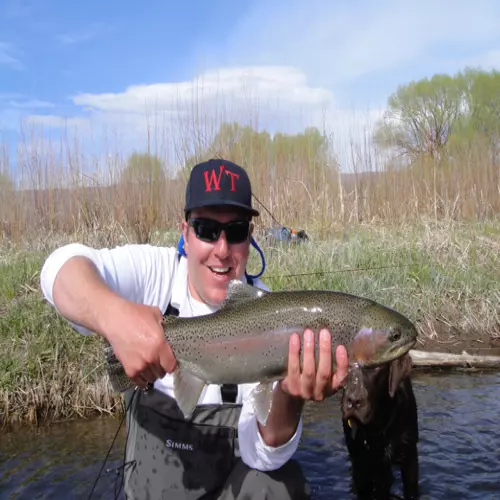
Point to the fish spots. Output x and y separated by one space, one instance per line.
238 342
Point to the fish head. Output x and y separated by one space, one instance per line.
383 335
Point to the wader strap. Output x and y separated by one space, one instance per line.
228 391
171 310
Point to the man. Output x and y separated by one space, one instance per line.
222 451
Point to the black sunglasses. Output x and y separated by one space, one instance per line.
209 229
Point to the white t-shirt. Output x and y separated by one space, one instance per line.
142 274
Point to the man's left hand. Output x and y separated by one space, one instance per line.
313 382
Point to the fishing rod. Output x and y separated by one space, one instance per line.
317 273
267 210
352 269
106 458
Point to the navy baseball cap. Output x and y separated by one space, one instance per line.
219 182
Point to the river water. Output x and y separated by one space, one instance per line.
459 419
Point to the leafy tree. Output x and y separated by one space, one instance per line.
257 150
421 117
481 98
443 114
293 167
307 151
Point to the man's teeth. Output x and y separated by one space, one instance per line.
220 269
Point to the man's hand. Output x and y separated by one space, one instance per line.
136 335
313 382
134 330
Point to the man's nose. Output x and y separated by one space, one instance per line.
222 246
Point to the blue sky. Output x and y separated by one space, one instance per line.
292 63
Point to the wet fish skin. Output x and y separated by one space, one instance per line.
247 339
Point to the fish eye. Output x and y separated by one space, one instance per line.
396 334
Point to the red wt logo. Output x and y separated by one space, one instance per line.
214 178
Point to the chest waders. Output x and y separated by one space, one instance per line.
170 458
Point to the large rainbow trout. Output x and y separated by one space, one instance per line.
247 340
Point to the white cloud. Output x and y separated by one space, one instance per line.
56 121
83 35
284 66
8 58
29 104
270 97
15 106
275 83
337 42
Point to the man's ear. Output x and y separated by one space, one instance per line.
400 369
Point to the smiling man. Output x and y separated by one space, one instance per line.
222 452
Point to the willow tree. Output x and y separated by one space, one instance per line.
443 113
421 117
481 109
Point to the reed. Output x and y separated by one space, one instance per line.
62 191
424 239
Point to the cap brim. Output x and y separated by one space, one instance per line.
225 203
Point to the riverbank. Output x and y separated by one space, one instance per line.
443 276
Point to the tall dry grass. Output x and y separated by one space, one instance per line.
435 224
64 190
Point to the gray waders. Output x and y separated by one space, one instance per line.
170 458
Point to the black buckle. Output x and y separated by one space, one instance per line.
229 393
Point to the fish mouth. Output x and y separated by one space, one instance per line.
403 344
395 351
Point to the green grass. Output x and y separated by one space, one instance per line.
443 276
47 371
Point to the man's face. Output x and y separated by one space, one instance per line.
211 265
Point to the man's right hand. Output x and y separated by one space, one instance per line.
134 330
136 334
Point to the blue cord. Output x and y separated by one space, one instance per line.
180 246
180 249
262 258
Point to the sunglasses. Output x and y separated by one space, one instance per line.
209 230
